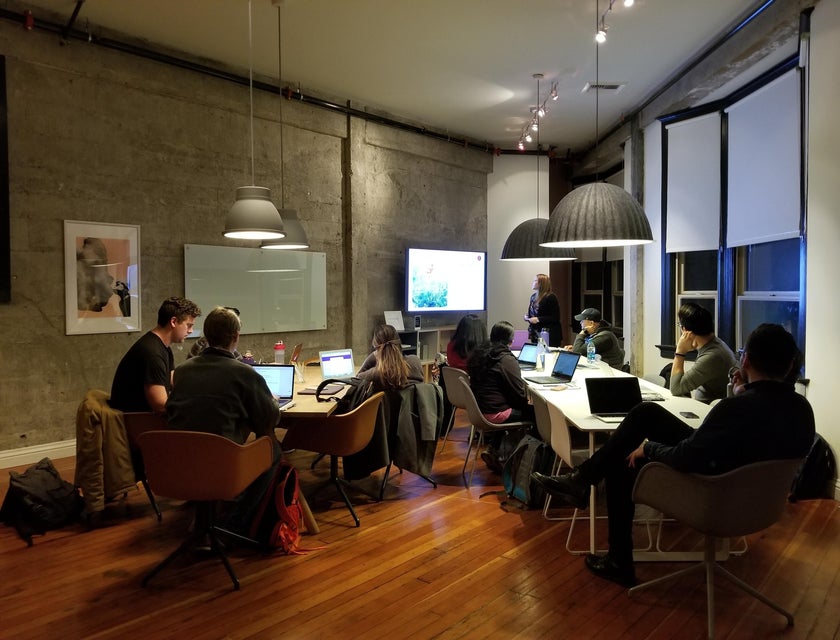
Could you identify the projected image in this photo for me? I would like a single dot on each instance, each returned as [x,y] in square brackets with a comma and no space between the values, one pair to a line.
[438,280]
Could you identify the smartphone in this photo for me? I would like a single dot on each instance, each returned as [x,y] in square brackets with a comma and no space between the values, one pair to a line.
[688,414]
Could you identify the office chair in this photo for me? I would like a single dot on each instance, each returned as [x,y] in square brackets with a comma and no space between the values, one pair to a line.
[481,425]
[742,501]
[455,395]
[338,436]
[203,468]
[137,422]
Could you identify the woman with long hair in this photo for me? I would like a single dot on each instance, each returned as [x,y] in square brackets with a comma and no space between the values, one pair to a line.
[386,366]
[469,333]
[544,312]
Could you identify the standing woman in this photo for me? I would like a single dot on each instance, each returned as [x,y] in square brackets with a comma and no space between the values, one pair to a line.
[386,366]
[544,312]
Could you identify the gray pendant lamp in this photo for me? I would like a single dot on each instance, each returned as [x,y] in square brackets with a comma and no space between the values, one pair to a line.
[253,216]
[295,233]
[523,243]
[598,214]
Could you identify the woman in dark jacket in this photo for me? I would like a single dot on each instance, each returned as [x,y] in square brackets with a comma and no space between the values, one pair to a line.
[544,312]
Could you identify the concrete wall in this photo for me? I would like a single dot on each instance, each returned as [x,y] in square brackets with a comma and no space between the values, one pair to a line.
[101,136]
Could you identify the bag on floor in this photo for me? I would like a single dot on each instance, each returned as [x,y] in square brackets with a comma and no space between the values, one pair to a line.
[531,454]
[39,500]
[815,478]
[358,391]
[279,516]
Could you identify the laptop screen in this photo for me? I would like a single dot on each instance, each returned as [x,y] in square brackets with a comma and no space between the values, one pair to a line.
[528,354]
[337,363]
[613,396]
[280,379]
[564,366]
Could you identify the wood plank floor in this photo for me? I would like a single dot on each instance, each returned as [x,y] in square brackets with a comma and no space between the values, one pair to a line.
[426,563]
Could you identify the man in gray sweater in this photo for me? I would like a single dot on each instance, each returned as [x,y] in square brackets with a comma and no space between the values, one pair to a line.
[709,375]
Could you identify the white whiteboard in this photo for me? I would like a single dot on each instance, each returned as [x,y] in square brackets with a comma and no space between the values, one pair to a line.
[274,290]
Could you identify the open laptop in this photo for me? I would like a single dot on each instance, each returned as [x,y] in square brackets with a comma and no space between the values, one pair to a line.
[520,337]
[280,379]
[564,369]
[528,356]
[610,399]
[337,363]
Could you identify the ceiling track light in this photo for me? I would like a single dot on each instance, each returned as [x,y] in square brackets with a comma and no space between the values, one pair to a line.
[537,112]
[602,28]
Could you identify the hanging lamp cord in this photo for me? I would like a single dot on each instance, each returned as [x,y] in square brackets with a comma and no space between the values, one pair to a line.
[251,87]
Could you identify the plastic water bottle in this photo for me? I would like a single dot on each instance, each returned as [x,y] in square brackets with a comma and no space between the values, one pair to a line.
[590,351]
[544,338]
[541,350]
[279,352]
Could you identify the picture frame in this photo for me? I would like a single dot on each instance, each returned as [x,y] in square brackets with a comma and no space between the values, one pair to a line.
[101,277]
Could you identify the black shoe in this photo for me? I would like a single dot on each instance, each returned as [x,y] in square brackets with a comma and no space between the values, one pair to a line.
[570,488]
[491,461]
[605,567]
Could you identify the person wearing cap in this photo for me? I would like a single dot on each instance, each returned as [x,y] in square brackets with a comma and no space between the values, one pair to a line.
[709,375]
[599,331]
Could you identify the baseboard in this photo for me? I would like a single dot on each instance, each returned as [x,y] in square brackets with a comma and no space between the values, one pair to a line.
[30,455]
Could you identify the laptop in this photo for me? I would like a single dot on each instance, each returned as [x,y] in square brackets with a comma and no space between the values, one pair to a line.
[564,369]
[610,399]
[520,337]
[280,379]
[528,356]
[337,364]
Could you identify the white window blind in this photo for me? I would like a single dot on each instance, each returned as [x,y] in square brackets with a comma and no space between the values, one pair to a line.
[764,164]
[693,197]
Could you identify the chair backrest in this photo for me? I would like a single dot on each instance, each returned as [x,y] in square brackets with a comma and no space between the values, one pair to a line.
[454,390]
[742,501]
[477,418]
[340,435]
[194,465]
[553,428]
[137,422]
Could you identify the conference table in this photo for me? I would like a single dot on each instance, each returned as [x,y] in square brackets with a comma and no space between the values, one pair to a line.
[572,400]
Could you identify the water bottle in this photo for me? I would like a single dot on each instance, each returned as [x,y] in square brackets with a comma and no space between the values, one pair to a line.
[279,352]
[544,338]
[590,351]
[541,349]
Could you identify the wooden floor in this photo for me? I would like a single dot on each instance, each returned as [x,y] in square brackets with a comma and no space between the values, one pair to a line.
[426,563]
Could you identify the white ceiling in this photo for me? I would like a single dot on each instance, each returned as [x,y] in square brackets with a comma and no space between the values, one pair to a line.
[463,67]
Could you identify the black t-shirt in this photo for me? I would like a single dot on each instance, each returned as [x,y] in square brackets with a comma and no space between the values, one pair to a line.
[148,361]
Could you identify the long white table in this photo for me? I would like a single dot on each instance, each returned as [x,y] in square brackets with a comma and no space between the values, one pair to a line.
[571,399]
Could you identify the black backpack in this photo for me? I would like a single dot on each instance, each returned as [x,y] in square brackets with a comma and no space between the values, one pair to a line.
[39,500]
[358,391]
[816,475]
[531,454]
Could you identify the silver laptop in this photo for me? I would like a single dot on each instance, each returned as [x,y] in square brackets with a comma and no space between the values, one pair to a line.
[528,356]
[562,372]
[280,379]
[337,363]
[610,399]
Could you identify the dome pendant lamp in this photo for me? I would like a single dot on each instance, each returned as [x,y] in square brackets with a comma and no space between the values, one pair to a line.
[253,216]
[598,214]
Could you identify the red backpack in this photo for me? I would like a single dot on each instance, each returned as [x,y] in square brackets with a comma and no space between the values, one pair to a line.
[278,519]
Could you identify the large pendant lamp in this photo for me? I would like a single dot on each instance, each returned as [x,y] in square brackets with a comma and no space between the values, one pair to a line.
[253,216]
[295,234]
[597,214]
[523,243]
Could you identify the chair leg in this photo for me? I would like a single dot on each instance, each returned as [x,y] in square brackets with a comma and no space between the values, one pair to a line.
[754,593]
[339,484]
[317,459]
[152,500]
[384,482]
[448,429]
[475,456]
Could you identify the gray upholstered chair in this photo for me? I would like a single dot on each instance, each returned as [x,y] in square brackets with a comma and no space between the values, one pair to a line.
[455,395]
[742,501]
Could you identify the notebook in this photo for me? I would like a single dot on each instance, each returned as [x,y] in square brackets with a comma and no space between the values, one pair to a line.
[610,399]
[528,356]
[564,369]
[280,379]
[337,363]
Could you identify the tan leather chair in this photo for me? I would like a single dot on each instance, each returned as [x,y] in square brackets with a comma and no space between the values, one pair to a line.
[337,436]
[455,395]
[742,501]
[137,422]
[205,468]
[482,425]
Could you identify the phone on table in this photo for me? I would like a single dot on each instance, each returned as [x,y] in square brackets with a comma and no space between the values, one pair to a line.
[688,414]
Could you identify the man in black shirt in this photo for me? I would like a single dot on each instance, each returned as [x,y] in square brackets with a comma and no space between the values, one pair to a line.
[143,379]
[765,420]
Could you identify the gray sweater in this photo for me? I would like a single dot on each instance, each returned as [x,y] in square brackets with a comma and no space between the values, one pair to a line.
[709,375]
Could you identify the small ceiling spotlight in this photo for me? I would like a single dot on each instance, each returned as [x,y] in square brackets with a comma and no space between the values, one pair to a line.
[601,36]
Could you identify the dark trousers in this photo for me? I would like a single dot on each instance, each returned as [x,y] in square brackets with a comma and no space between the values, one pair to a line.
[609,463]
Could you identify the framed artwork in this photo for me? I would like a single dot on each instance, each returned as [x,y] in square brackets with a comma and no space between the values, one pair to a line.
[101,277]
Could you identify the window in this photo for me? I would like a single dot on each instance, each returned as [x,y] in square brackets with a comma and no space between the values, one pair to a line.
[617,269]
[698,280]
